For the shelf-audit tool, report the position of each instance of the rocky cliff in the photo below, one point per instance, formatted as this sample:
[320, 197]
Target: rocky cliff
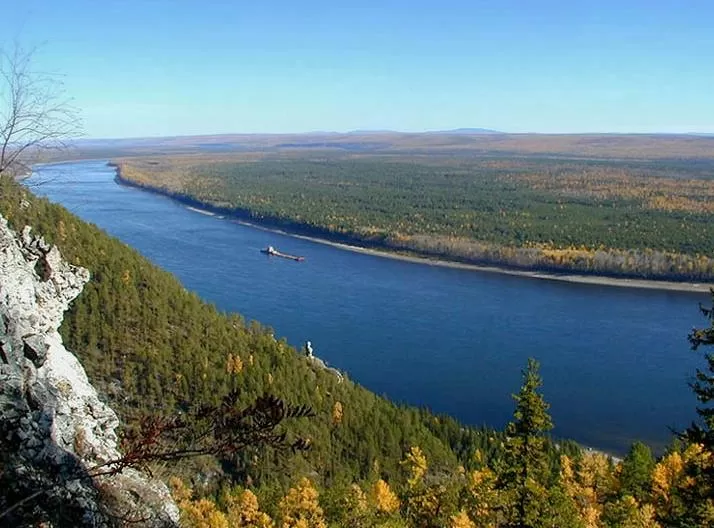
[56, 436]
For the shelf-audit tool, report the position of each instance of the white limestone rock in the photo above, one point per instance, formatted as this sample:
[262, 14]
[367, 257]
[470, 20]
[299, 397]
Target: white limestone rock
[53, 426]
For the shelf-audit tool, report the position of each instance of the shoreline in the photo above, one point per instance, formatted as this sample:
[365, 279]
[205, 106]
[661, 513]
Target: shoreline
[64, 162]
[596, 280]
[573, 278]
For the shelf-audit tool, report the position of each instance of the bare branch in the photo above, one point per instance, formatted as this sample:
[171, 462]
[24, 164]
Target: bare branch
[221, 430]
[35, 114]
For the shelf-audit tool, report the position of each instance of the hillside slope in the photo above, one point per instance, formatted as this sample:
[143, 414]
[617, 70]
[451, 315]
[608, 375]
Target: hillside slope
[58, 441]
[151, 346]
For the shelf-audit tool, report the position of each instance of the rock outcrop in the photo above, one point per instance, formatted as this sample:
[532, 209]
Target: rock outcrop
[56, 435]
[319, 364]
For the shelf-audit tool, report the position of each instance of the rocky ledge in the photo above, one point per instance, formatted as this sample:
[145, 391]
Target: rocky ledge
[56, 436]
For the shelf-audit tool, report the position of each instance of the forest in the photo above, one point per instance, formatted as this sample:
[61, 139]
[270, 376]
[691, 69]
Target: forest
[154, 349]
[650, 219]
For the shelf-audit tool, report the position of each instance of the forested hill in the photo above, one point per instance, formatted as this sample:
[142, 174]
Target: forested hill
[151, 346]
[155, 349]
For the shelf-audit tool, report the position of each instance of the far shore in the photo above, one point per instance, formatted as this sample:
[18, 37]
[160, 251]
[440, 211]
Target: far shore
[65, 162]
[49, 163]
[575, 278]
[597, 280]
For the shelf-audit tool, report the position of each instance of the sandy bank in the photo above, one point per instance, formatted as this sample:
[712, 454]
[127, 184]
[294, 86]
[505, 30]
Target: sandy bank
[597, 280]
[565, 277]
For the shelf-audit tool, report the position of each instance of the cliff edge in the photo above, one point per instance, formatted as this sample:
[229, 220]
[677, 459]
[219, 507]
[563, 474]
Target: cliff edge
[56, 436]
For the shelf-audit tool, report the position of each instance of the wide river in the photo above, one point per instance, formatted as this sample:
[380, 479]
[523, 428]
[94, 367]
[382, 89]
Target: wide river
[615, 361]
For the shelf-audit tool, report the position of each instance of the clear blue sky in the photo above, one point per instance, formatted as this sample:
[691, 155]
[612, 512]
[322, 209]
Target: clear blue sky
[175, 67]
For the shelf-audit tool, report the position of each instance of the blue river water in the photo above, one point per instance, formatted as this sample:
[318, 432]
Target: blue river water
[615, 361]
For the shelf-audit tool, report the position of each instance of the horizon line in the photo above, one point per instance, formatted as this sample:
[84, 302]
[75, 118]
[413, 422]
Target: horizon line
[464, 131]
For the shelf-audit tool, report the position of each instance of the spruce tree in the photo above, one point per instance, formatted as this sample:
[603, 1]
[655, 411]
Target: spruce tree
[525, 473]
[703, 386]
[698, 495]
[636, 473]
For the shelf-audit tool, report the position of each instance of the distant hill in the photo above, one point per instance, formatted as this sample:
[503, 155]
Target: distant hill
[453, 131]
[365, 132]
[460, 141]
[466, 131]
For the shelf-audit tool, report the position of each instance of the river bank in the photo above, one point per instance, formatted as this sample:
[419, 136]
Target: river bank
[574, 278]
[615, 361]
[386, 252]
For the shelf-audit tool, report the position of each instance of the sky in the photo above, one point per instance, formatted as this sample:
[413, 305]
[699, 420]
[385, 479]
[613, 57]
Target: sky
[140, 68]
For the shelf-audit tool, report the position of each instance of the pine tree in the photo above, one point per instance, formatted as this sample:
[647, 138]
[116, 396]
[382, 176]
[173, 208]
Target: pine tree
[482, 500]
[636, 471]
[703, 386]
[525, 472]
[698, 498]
[628, 513]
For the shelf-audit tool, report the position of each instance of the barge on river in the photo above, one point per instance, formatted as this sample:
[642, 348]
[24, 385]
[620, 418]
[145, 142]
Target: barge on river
[271, 251]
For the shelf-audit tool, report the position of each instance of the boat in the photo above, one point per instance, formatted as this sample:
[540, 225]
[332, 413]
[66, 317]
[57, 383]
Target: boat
[272, 252]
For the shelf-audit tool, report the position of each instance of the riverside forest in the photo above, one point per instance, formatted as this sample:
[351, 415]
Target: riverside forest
[636, 207]
[354, 459]
[356, 265]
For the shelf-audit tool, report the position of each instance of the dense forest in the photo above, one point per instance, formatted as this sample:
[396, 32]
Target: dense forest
[151, 347]
[148, 344]
[633, 218]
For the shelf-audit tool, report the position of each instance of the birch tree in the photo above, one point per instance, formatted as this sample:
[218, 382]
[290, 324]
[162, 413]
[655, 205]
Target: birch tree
[35, 113]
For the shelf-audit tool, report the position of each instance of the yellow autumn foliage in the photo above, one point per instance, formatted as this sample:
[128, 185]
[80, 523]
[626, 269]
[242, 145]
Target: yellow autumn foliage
[673, 477]
[201, 513]
[461, 520]
[482, 497]
[666, 475]
[417, 465]
[234, 364]
[589, 485]
[357, 499]
[243, 511]
[638, 516]
[300, 507]
[337, 413]
[385, 500]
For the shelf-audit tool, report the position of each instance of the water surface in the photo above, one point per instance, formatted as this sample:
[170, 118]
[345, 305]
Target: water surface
[615, 361]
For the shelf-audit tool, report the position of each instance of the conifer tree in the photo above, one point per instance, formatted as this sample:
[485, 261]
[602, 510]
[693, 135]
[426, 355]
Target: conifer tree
[354, 511]
[482, 500]
[525, 472]
[300, 507]
[243, 511]
[385, 500]
[636, 471]
[703, 387]
[461, 520]
[698, 498]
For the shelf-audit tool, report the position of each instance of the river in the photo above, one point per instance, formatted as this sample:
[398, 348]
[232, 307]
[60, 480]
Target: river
[615, 361]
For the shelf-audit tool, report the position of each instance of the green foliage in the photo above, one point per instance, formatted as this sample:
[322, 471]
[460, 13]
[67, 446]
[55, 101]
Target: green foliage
[560, 510]
[609, 217]
[696, 493]
[703, 386]
[636, 472]
[524, 474]
[150, 346]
